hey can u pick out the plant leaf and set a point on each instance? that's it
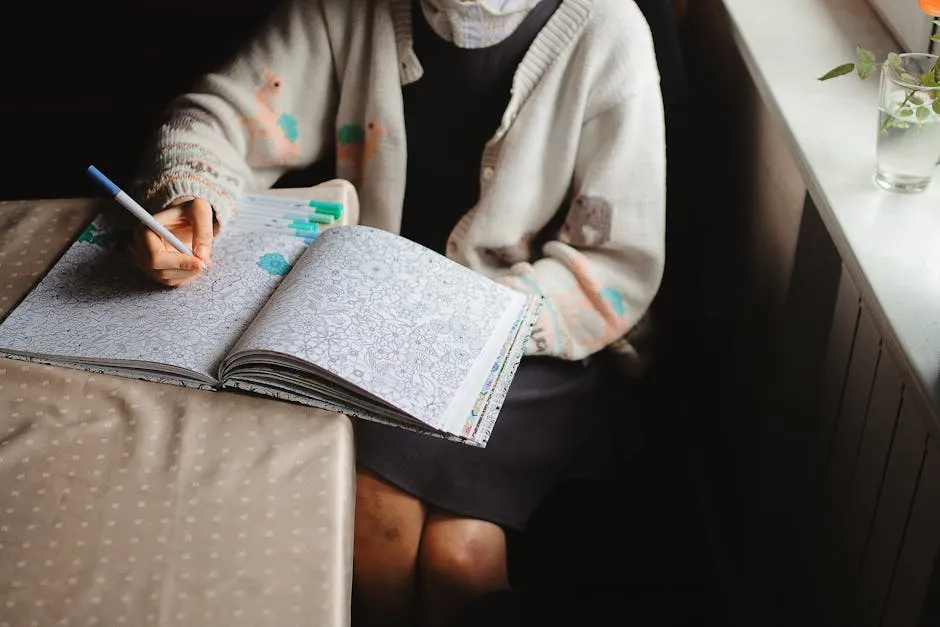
(936, 106)
(929, 79)
(904, 113)
(907, 78)
(842, 70)
(865, 70)
(916, 100)
(935, 37)
(865, 56)
(893, 60)
(922, 113)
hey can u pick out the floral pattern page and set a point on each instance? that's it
(95, 307)
(394, 319)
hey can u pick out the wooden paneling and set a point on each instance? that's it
(851, 422)
(891, 517)
(838, 357)
(869, 552)
(917, 560)
(863, 435)
(778, 193)
(883, 410)
(827, 475)
(816, 517)
(774, 224)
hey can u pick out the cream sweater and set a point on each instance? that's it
(581, 141)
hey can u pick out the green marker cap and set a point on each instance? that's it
(304, 226)
(334, 209)
(321, 218)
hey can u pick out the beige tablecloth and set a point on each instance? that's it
(124, 502)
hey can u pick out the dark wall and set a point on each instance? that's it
(86, 83)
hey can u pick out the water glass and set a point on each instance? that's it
(908, 126)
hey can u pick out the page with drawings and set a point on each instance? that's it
(95, 308)
(393, 319)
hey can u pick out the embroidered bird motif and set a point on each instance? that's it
(274, 134)
(355, 145)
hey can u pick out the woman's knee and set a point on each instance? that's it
(455, 549)
(388, 521)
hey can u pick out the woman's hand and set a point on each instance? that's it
(193, 222)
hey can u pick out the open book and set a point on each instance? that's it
(360, 321)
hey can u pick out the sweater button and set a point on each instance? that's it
(488, 173)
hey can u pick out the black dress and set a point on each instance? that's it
(554, 407)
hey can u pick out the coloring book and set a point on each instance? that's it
(358, 320)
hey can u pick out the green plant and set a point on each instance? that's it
(916, 104)
(866, 65)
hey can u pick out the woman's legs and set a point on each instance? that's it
(388, 526)
(400, 548)
(460, 560)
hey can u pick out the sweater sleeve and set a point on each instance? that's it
(243, 126)
(600, 274)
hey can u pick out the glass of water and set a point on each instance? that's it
(908, 126)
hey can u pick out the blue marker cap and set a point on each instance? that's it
(104, 181)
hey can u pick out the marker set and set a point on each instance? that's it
(289, 216)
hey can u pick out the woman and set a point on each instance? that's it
(522, 138)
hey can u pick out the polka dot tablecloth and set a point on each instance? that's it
(124, 502)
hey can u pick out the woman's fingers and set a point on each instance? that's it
(193, 224)
(202, 221)
(164, 263)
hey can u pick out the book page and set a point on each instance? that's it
(395, 320)
(95, 307)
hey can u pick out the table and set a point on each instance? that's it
(128, 502)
